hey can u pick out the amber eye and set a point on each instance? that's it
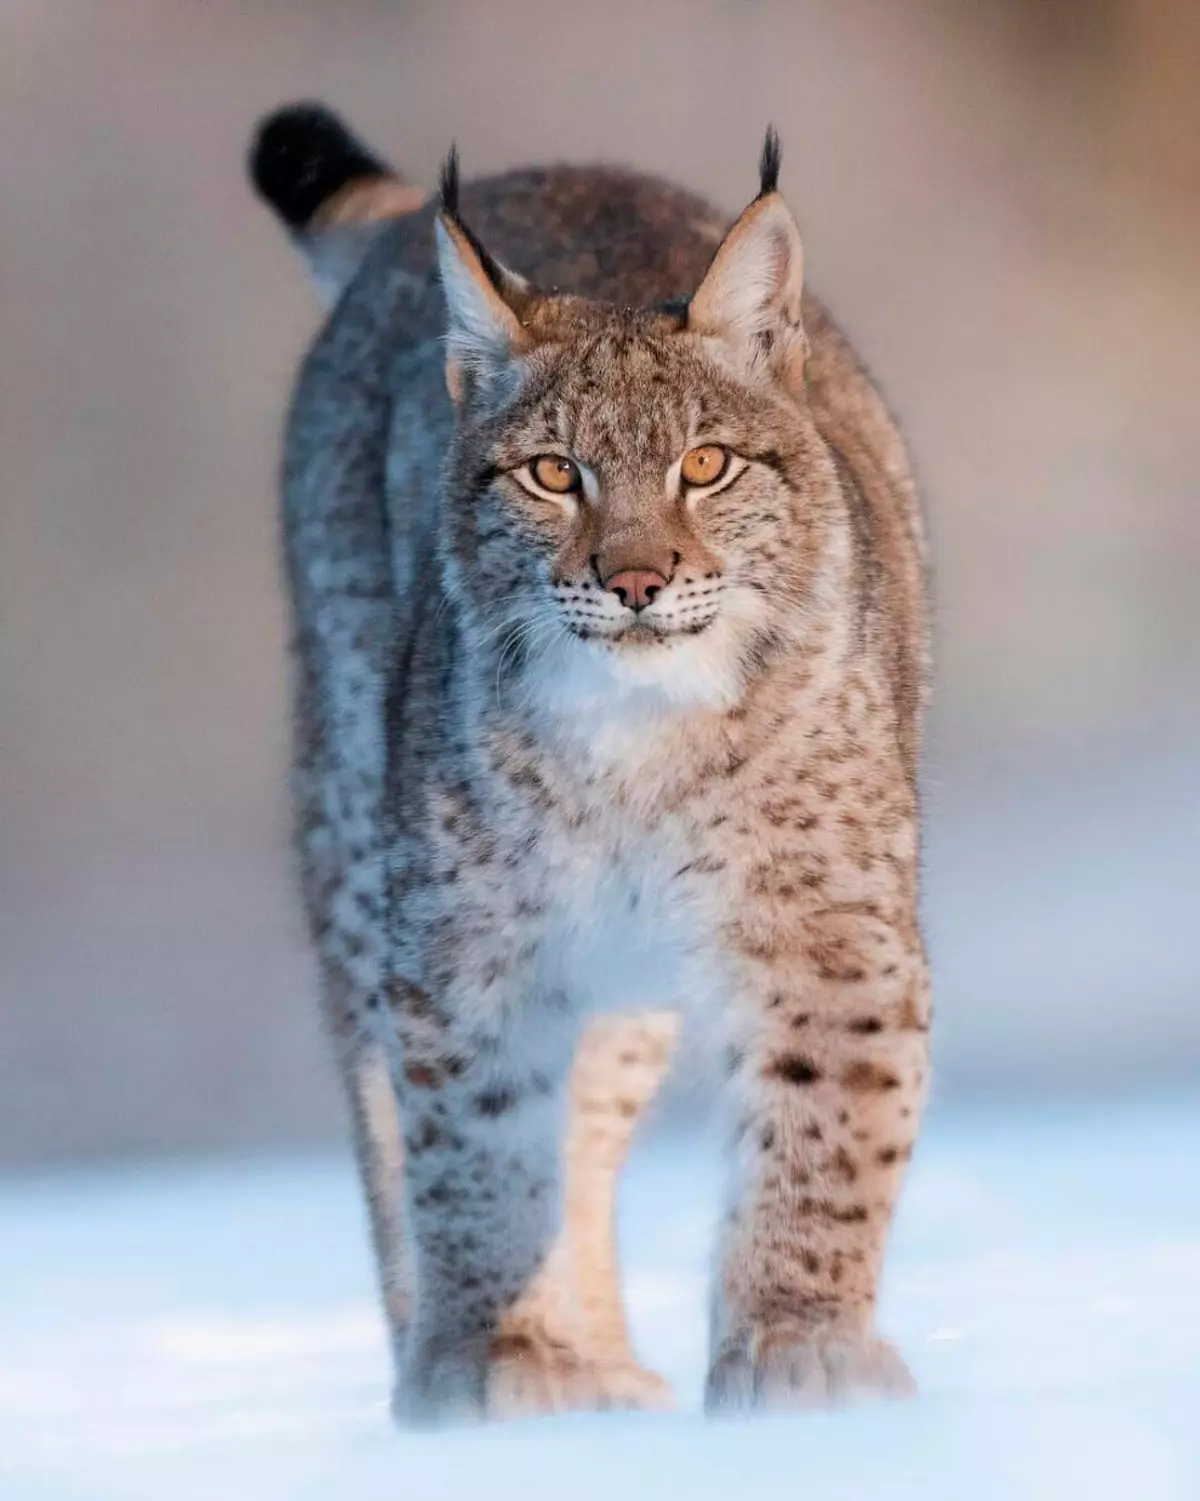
(701, 466)
(554, 473)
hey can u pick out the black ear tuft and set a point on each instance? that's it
(301, 156)
(448, 184)
(448, 195)
(768, 163)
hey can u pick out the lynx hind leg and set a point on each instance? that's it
(518, 1311)
(378, 1150)
(618, 1071)
(619, 1067)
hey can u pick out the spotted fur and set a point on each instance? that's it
(523, 805)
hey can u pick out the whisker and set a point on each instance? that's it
(523, 638)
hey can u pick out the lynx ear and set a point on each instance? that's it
(751, 294)
(484, 300)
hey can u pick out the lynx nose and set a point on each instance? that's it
(635, 587)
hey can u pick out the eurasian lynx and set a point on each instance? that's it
(609, 652)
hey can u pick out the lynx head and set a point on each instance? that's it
(635, 496)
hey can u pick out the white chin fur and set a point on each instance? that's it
(700, 671)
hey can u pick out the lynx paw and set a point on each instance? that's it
(784, 1364)
(533, 1375)
(523, 1375)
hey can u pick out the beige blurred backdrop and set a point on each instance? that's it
(1002, 202)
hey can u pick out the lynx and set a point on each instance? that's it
(605, 563)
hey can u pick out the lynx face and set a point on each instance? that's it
(634, 495)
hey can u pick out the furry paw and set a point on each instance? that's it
(780, 1363)
(522, 1375)
(532, 1375)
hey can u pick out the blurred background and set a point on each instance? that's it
(1002, 203)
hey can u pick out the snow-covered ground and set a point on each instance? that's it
(211, 1332)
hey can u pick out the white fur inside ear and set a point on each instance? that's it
(481, 325)
(757, 277)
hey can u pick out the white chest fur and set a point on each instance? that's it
(627, 931)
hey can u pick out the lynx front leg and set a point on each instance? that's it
(829, 1077)
(495, 1329)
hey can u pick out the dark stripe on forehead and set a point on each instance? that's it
(771, 458)
(535, 400)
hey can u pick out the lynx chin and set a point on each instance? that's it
(605, 562)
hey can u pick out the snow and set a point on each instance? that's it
(211, 1332)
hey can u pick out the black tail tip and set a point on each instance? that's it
(768, 163)
(301, 155)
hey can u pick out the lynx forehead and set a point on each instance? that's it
(609, 644)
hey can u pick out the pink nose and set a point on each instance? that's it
(635, 587)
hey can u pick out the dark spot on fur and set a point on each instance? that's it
(863, 1076)
(429, 1135)
(865, 1025)
(853, 1214)
(843, 1166)
(794, 1068)
(496, 1101)
(422, 1076)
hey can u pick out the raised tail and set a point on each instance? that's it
(331, 191)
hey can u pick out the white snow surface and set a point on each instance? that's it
(211, 1332)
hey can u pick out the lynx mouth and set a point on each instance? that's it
(643, 635)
